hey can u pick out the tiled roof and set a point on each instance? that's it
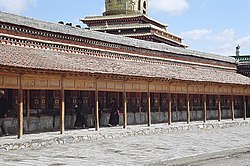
(64, 29)
(30, 58)
(151, 34)
(136, 26)
(129, 26)
(90, 18)
(123, 26)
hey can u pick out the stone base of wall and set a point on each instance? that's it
(50, 123)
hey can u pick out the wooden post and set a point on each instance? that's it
(245, 108)
(219, 108)
(28, 109)
(205, 108)
(169, 109)
(232, 107)
(124, 109)
(188, 108)
(96, 110)
(20, 114)
(149, 108)
(62, 115)
(176, 103)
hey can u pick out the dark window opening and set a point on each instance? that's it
(139, 5)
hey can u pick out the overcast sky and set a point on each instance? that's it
(216, 26)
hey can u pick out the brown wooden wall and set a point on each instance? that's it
(53, 82)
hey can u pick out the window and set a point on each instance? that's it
(139, 5)
(144, 7)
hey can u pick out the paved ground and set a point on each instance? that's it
(185, 147)
(240, 159)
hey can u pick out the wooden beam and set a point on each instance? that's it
(205, 108)
(232, 107)
(96, 109)
(125, 110)
(169, 109)
(219, 108)
(28, 109)
(62, 115)
(245, 108)
(20, 114)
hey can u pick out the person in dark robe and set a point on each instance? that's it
(114, 114)
(3, 113)
(81, 115)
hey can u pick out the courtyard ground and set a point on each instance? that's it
(213, 143)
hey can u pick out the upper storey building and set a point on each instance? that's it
(129, 18)
(243, 62)
(244, 65)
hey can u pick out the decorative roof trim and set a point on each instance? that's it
(123, 53)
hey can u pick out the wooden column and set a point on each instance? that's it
(20, 114)
(28, 109)
(205, 108)
(169, 109)
(232, 107)
(124, 110)
(96, 109)
(219, 108)
(62, 115)
(191, 104)
(149, 108)
(188, 108)
(245, 108)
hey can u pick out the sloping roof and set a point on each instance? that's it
(123, 26)
(152, 34)
(121, 16)
(137, 26)
(64, 29)
(31, 58)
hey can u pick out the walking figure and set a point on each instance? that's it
(81, 116)
(114, 114)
